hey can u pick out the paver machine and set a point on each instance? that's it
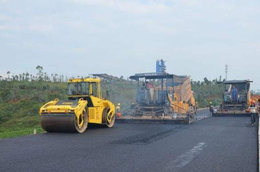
(161, 98)
(84, 105)
(236, 99)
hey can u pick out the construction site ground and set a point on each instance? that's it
(209, 144)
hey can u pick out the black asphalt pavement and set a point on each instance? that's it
(221, 144)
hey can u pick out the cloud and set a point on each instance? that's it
(8, 27)
(75, 24)
(5, 17)
(17, 25)
(204, 33)
(133, 6)
(255, 46)
(3, 74)
(79, 50)
(41, 27)
(4, 1)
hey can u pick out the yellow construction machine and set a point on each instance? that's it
(84, 105)
(236, 99)
(161, 98)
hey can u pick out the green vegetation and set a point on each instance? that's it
(207, 91)
(22, 95)
(20, 102)
(120, 91)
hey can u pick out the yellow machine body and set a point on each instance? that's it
(183, 100)
(180, 107)
(84, 105)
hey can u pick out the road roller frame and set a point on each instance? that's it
(84, 105)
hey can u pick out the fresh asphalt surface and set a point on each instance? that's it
(212, 144)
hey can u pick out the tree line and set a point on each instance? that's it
(40, 76)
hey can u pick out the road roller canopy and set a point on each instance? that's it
(84, 80)
(80, 88)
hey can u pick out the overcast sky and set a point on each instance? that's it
(80, 37)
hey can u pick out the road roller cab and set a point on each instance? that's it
(84, 105)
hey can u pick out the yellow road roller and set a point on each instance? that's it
(84, 105)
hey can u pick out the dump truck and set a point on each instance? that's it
(84, 106)
(236, 99)
(161, 98)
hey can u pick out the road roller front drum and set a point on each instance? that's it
(64, 123)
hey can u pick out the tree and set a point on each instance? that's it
(55, 77)
(207, 82)
(27, 76)
(20, 76)
(40, 72)
(16, 78)
(45, 76)
(8, 73)
(62, 78)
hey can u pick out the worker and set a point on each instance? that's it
(118, 107)
(234, 94)
(210, 107)
(118, 113)
(149, 85)
(253, 112)
(258, 105)
(252, 103)
(195, 106)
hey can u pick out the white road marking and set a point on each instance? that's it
(187, 157)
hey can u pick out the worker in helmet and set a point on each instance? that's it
(210, 108)
(252, 103)
(118, 113)
(118, 107)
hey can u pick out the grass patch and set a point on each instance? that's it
(22, 132)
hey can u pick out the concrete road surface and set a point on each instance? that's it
(214, 144)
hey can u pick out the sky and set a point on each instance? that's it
(121, 38)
